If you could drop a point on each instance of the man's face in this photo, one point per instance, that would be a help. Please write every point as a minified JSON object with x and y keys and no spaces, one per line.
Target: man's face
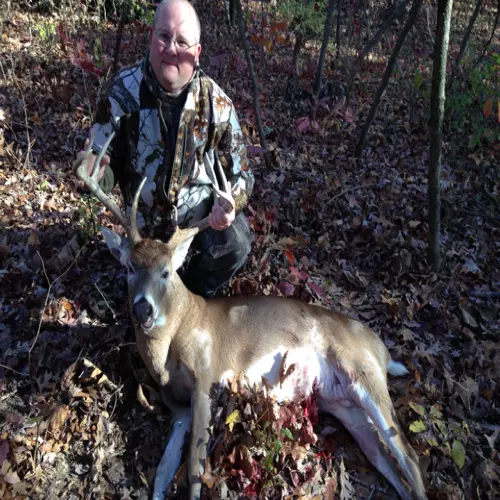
{"x":174,"y":63}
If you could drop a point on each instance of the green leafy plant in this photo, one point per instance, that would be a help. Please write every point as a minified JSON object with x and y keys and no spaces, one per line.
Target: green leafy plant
{"x":470,"y":108}
{"x":86,"y":213}
{"x":46,"y":31}
{"x":447,"y":436}
{"x":304,"y":17}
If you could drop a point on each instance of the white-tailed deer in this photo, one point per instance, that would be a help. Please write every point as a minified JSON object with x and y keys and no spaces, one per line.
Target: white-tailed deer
{"x":190,"y":345}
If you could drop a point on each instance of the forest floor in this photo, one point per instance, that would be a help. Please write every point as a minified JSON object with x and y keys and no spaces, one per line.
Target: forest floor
{"x":348,"y":233}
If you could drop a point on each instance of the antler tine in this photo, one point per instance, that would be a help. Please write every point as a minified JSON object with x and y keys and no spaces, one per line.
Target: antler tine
{"x":132,"y":231}
{"x":92,"y":181}
{"x":223,"y":191}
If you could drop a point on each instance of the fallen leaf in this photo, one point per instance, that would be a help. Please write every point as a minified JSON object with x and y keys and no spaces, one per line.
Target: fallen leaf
{"x":419,"y":409}
{"x":233,"y":419}
{"x":458,"y":454}
{"x":418,"y":426}
{"x":346,"y":488}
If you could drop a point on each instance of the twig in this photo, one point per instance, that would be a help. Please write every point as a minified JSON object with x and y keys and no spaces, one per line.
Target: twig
{"x":104,"y":298}
{"x":484,"y":293}
{"x":48,"y":295}
{"x":371,"y":487}
{"x":12,"y":370}
{"x":348,"y":190}
{"x":30,"y":143}
{"x":483,"y":215}
{"x":91,"y":214}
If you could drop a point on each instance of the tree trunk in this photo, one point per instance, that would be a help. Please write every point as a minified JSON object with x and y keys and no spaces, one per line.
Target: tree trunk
{"x":126,"y":7}
{"x":395,"y":14}
{"x":387,"y":74}
{"x":438,"y":97}
{"x":487,"y":44}
{"x":255,"y":85}
{"x":337,"y":34}
{"x":297,"y":47}
{"x":466,"y":37}
{"x":324,"y":46}
{"x":232,"y":12}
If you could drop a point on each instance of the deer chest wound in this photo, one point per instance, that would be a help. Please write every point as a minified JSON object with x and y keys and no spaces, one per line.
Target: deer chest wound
{"x":291,"y":374}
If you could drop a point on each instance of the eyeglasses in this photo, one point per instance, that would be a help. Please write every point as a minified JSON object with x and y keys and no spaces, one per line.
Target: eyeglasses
{"x":164,"y":38}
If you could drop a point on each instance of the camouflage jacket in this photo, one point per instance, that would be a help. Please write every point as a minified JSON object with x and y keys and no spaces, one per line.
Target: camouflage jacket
{"x":133,"y":104}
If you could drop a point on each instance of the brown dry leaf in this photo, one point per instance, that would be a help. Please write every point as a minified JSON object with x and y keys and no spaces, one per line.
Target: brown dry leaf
{"x":488,"y":473}
{"x":467,"y":388}
{"x":467,"y":316}
{"x":405,"y":334}
{"x":208,"y":478}
{"x":58,"y":418}
{"x":33,"y":239}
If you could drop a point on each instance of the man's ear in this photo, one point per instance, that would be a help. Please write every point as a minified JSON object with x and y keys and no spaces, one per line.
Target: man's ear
{"x":179,"y":245}
{"x":118,"y":245}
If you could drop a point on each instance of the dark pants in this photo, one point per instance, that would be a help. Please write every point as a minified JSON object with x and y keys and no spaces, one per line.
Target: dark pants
{"x":220,"y":255}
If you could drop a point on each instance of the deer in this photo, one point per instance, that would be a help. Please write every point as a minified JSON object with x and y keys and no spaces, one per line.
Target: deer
{"x":191,"y":345}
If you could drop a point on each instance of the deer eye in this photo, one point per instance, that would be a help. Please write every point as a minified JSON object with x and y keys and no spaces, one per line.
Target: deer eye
{"x":165,"y":274}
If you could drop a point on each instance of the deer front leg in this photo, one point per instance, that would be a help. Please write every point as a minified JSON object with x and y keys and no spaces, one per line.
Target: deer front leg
{"x":201,"y":412}
{"x":171,"y":458}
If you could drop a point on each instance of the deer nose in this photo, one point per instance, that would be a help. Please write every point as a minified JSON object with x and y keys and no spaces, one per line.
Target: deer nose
{"x":143,"y":312}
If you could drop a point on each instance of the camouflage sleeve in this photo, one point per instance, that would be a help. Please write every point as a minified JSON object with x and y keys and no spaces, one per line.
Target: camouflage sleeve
{"x":107,"y":121}
{"x":233,"y":156}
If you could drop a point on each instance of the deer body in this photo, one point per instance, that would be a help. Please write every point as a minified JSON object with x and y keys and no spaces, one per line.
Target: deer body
{"x":191,"y":345}
{"x":196,"y":344}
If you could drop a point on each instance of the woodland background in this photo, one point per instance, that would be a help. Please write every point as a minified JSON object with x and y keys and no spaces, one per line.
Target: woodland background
{"x":338,"y":221}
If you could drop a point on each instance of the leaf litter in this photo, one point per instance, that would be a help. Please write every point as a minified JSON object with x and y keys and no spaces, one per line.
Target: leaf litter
{"x":329,"y":229}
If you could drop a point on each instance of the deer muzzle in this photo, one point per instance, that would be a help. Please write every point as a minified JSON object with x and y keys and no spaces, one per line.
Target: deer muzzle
{"x":143,"y":313}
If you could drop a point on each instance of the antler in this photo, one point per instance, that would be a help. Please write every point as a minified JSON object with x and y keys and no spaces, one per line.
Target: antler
{"x":223,"y":191}
{"x":92,"y":183}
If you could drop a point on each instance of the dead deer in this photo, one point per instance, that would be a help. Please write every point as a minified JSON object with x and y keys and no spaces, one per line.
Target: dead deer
{"x":191,"y":345}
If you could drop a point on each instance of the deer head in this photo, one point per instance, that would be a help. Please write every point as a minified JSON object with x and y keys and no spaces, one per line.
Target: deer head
{"x":151,"y":264}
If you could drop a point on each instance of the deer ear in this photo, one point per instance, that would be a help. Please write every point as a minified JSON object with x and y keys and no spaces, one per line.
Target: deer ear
{"x":180,"y":243}
{"x":118,"y":245}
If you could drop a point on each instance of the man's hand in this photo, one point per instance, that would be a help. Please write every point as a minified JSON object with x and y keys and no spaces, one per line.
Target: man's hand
{"x":222,"y":215}
{"x":90,"y":165}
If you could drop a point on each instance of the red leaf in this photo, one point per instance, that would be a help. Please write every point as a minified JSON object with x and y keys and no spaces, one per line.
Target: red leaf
{"x":278,"y":26}
{"x":300,"y":274}
{"x":302,"y":125}
{"x":487,"y":107}
{"x":307,"y":435}
{"x":311,"y":410}
{"x":318,"y":290}
{"x":287,"y":289}
{"x":91,"y":68}
{"x":289,"y":255}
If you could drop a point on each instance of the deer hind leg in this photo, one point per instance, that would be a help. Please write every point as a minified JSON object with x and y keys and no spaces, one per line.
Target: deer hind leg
{"x":385,"y":430}
{"x":171,"y":459}
{"x":361,"y":427}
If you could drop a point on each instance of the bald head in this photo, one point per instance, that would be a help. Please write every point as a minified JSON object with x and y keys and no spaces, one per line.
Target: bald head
{"x":163,"y":10}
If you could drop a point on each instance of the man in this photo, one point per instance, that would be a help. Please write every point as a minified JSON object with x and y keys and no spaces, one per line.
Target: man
{"x":167,"y":114}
